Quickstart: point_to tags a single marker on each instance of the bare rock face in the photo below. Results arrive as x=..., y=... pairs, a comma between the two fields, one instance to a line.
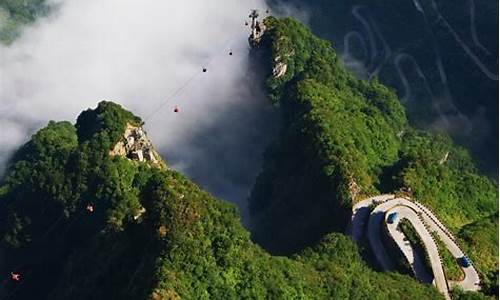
x=445, y=158
x=135, y=145
x=279, y=69
x=354, y=189
x=258, y=28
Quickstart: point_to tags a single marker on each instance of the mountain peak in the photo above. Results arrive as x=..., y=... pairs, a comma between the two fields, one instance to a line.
x=135, y=145
x=107, y=117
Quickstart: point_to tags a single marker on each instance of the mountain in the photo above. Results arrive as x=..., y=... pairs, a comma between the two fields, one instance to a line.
x=150, y=232
x=441, y=57
x=344, y=139
x=91, y=211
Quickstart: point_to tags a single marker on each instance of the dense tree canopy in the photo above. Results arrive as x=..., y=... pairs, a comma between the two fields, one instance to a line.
x=186, y=244
x=338, y=134
x=153, y=234
x=343, y=139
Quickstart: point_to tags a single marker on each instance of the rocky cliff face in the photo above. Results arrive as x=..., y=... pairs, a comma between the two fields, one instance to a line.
x=135, y=145
x=354, y=189
x=279, y=68
x=258, y=30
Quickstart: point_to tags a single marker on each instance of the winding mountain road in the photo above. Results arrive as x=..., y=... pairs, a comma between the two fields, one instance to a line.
x=416, y=260
x=405, y=212
x=425, y=223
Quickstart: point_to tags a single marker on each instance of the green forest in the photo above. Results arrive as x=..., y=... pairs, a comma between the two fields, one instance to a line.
x=15, y=14
x=154, y=234
x=344, y=139
x=418, y=36
x=186, y=245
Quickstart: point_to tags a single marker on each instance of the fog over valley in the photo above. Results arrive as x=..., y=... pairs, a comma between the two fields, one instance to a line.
x=138, y=53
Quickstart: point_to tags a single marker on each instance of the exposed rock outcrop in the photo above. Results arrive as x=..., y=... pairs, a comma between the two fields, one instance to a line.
x=279, y=69
x=138, y=214
x=445, y=158
x=279, y=66
x=258, y=28
x=354, y=189
x=135, y=145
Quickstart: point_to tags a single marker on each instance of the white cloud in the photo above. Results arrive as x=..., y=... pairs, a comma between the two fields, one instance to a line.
x=136, y=53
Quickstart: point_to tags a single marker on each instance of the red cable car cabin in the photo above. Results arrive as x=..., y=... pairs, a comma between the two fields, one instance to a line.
x=15, y=276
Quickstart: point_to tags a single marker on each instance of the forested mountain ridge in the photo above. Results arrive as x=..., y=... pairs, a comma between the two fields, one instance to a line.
x=441, y=58
x=183, y=244
x=150, y=233
x=343, y=139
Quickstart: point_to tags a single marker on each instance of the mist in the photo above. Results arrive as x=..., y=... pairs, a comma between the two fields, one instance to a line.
x=138, y=54
x=441, y=60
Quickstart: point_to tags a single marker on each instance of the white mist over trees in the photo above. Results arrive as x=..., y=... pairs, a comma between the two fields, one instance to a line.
x=137, y=53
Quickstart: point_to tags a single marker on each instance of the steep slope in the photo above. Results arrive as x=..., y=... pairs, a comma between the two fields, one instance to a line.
x=440, y=56
x=79, y=223
x=83, y=216
x=338, y=133
x=343, y=139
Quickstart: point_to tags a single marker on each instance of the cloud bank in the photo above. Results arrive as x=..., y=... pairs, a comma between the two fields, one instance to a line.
x=137, y=53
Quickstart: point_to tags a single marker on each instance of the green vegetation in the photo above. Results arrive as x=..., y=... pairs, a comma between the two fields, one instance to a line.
x=400, y=262
x=185, y=245
x=443, y=177
x=459, y=294
x=480, y=241
x=465, y=201
x=450, y=265
x=338, y=134
x=421, y=41
x=343, y=139
x=14, y=14
x=411, y=234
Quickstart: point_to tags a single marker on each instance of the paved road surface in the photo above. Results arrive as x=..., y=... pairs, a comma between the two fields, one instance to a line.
x=405, y=212
x=424, y=222
x=416, y=259
x=360, y=213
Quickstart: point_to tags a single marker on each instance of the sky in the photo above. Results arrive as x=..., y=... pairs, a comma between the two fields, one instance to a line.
x=139, y=54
